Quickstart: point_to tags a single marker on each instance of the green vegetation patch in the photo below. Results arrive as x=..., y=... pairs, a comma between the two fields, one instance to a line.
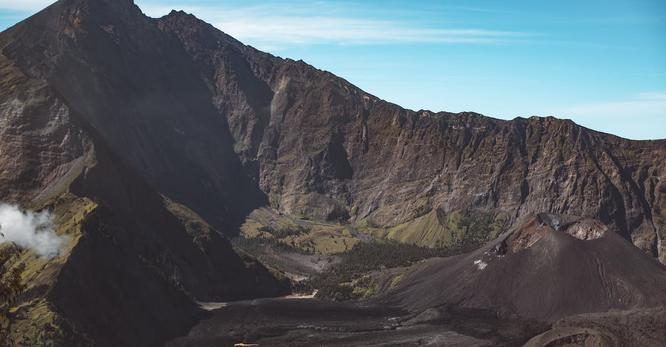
x=307, y=236
x=437, y=229
x=26, y=319
x=352, y=279
x=35, y=323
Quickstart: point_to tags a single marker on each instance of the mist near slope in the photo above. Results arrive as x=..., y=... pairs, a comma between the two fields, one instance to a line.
x=29, y=230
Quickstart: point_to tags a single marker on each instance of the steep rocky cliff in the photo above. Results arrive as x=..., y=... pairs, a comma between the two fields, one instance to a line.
x=322, y=148
x=113, y=143
x=149, y=138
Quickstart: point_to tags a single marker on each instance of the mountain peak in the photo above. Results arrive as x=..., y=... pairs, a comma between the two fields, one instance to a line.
x=76, y=12
x=114, y=3
x=183, y=18
x=106, y=4
x=147, y=138
x=112, y=7
x=194, y=31
x=179, y=13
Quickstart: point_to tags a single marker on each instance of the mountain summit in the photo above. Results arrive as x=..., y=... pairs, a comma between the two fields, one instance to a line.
x=150, y=140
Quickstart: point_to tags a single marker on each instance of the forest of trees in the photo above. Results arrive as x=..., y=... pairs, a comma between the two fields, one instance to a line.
x=364, y=258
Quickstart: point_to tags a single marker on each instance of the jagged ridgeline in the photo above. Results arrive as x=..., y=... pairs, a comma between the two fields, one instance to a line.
x=150, y=141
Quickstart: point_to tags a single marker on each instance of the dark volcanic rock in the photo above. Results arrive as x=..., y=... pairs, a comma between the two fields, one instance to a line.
x=176, y=131
x=206, y=120
x=90, y=105
x=323, y=148
x=536, y=271
x=138, y=89
x=312, y=322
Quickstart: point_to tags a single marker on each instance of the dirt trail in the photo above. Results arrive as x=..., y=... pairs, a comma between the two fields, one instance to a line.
x=212, y=306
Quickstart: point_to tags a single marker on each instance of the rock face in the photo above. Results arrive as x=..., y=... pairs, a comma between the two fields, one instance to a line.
x=138, y=91
x=91, y=109
x=320, y=147
x=174, y=131
x=207, y=120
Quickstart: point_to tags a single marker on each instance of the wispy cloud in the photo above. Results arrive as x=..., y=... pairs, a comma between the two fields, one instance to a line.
x=645, y=104
x=24, y=5
x=322, y=23
x=297, y=30
x=299, y=23
x=639, y=117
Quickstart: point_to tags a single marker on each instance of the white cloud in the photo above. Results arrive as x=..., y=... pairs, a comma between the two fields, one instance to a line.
x=29, y=230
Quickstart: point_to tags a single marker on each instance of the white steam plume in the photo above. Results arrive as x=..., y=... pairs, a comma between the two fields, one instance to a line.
x=29, y=230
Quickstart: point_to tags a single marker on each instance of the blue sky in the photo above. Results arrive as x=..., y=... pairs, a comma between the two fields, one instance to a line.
x=600, y=63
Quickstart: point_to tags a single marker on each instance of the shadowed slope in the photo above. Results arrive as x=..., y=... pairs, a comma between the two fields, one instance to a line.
x=88, y=116
x=541, y=271
x=169, y=132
